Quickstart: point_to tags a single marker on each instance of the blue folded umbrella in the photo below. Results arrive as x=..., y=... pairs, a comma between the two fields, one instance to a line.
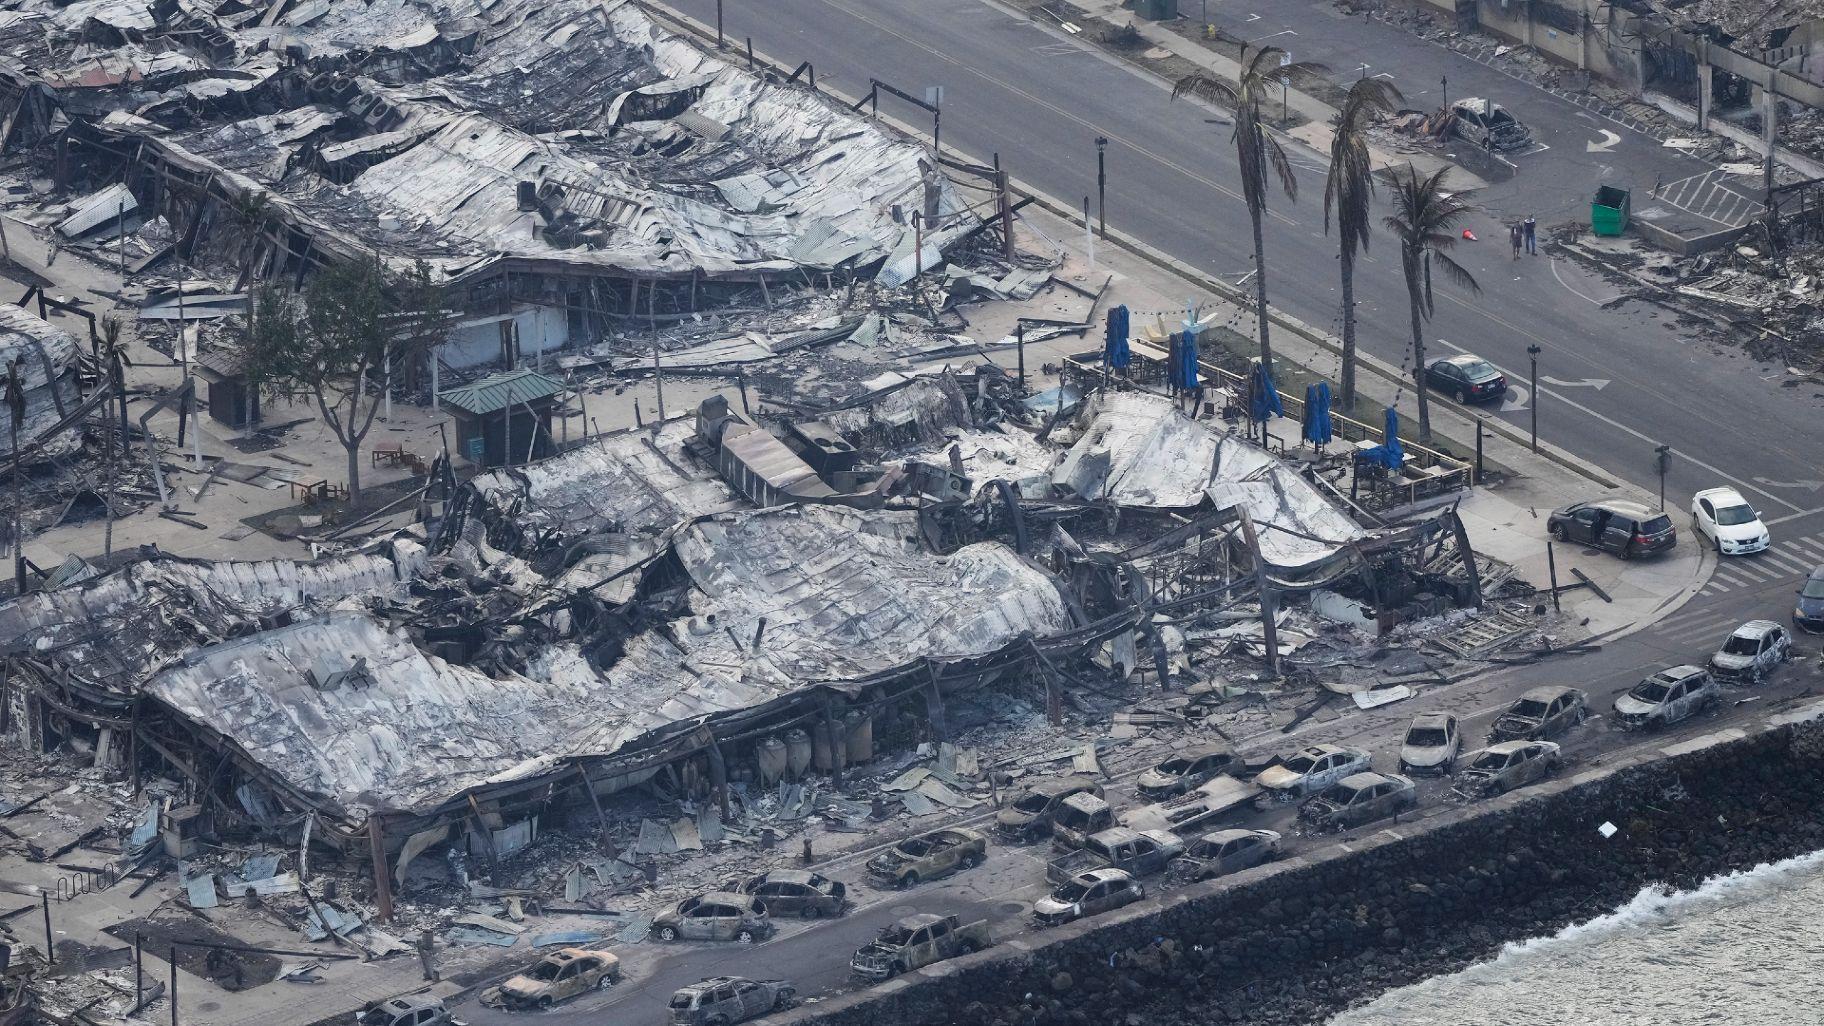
x=1388, y=454
x=1115, y=350
x=1317, y=425
x=1187, y=352
x=1263, y=398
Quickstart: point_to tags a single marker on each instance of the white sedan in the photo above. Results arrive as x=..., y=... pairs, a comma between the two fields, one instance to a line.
x=1724, y=517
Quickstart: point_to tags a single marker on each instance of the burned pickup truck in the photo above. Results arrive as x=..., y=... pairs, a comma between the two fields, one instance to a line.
x=1135, y=852
x=916, y=941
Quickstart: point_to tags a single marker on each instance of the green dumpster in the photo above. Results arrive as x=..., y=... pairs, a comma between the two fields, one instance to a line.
x=1609, y=211
x=1156, y=10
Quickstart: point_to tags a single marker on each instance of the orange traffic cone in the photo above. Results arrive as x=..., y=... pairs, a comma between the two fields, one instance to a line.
x=1471, y=236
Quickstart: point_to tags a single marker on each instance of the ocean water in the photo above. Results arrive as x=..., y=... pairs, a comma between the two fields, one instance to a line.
x=1745, y=949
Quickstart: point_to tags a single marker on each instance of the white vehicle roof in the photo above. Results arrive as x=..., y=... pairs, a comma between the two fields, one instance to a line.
x=1722, y=496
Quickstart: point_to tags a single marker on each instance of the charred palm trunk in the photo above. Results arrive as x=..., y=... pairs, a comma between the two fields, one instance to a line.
x=1255, y=213
x=1348, y=376
x=1415, y=300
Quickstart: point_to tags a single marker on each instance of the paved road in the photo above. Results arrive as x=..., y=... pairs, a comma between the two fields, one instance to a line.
x=1039, y=99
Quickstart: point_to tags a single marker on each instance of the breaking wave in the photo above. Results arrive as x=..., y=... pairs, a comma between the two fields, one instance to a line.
x=1745, y=949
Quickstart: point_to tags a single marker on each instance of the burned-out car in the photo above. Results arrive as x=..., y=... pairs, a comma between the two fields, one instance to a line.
x=1077, y=818
x=1431, y=745
x=1135, y=852
x=794, y=892
x=1488, y=124
x=1667, y=697
x=916, y=941
x=1029, y=812
x=1312, y=769
x=1357, y=799
x=1186, y=770
x=1225, y=851
x=928, y=856
x=1502, y=767
x=1088, y=893
x=716, y=916
x=1220, y=797
x=1752, y=652
x=1541, y=713
x=406, y=1010
x=561, y=975
x=726, y=1000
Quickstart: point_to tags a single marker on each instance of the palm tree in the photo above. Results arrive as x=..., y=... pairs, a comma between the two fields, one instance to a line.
x=1255, y=150
x=1425, y=219
x=1349, y=190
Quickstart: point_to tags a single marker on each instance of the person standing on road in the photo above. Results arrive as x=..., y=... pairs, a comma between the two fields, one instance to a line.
x=1532, y=234
x=1514, y=238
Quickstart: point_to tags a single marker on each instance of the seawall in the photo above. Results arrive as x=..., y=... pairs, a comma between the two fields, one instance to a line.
x=1292, y=942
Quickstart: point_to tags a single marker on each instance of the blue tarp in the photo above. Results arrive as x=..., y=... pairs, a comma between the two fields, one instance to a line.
x=1388, y=454
x=1263, y=398
x=1318, y=429
x=1115, y=350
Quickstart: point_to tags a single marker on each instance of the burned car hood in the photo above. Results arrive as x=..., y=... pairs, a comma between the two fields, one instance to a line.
x=1279, y=778
x=1513, y=724
x=1011, y=817
x=522, y=986
x=1424, y=756
x=889, y=859
x=1628, y=705
x=1729, y=661
x=1156, y=780
x=1050, y=906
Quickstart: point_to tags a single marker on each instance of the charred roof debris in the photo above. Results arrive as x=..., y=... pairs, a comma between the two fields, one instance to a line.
x=885, y=590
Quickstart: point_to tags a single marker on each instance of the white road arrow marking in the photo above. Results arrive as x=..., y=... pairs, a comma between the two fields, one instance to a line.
x=1810, y=486
x=1515, y=399
x=1609, y=139
x=1596, y=383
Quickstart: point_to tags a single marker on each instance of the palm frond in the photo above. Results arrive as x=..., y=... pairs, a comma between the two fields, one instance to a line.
x=1207, y=88
x=1458, y=274
x=1282, y=166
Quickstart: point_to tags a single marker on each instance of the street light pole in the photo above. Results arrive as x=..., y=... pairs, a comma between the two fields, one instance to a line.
x=1444, y=87
x=1102, y=185
x=718, y=24
x=1532, y=353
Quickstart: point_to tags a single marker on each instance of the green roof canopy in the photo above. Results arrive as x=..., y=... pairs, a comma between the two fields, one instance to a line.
x=496, y=392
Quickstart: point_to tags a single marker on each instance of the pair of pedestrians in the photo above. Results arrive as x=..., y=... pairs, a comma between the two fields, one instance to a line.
x=1524, y=234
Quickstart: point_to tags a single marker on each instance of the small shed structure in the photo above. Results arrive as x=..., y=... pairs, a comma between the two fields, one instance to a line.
x=504, y=419
x=232, y=401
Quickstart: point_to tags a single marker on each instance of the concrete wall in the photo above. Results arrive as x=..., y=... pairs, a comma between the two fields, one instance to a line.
x=1601, y=41
x=476, y=343
x=1295, y=941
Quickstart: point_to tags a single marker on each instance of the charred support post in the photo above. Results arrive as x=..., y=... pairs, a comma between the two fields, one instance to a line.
x=50, y=942
x=1006, y=197
x=1469, y=559
x=601, y=816
x=718, y=771
x=383, y=884
x=172, y=989
x=1551, y=567
x=1268, y=600
x=934, y=704
x=839, y=747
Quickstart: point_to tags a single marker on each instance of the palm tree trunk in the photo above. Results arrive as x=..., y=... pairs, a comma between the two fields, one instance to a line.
x=1260, y=287
x=1348, y=375
x=1418, y=348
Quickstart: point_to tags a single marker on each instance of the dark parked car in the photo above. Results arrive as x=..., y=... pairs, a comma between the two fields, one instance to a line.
x=1541, y=713
x=1358, y=799
x=1028, y=814
x=1501, y=768
x=1667, y=697
x=794, y=892
x=1808, y=611
x=1465, y=378
x=1185, y=770
x=1627, y=529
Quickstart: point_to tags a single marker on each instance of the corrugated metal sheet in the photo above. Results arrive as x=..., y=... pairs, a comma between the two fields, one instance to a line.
x=499, y=391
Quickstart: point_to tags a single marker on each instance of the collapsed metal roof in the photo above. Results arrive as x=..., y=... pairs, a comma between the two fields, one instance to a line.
x=46, y=355
x=571, y=135
x=1140, y=450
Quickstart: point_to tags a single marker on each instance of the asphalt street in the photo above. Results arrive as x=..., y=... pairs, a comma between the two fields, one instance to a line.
x=1615, y=381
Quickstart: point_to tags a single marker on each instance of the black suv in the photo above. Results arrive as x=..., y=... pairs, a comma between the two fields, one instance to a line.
x=1627, y=529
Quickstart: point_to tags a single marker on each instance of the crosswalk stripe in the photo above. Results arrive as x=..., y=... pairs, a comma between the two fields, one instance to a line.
x=1811, y=550
x=1736, y=575
x=1784, y=562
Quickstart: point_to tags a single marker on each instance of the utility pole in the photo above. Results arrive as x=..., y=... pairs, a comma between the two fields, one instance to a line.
x=718, y=24
x=1444, y=88
x=1532, y=353
x=1089, y=235
x=1102, y=185
x=1662, y=455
